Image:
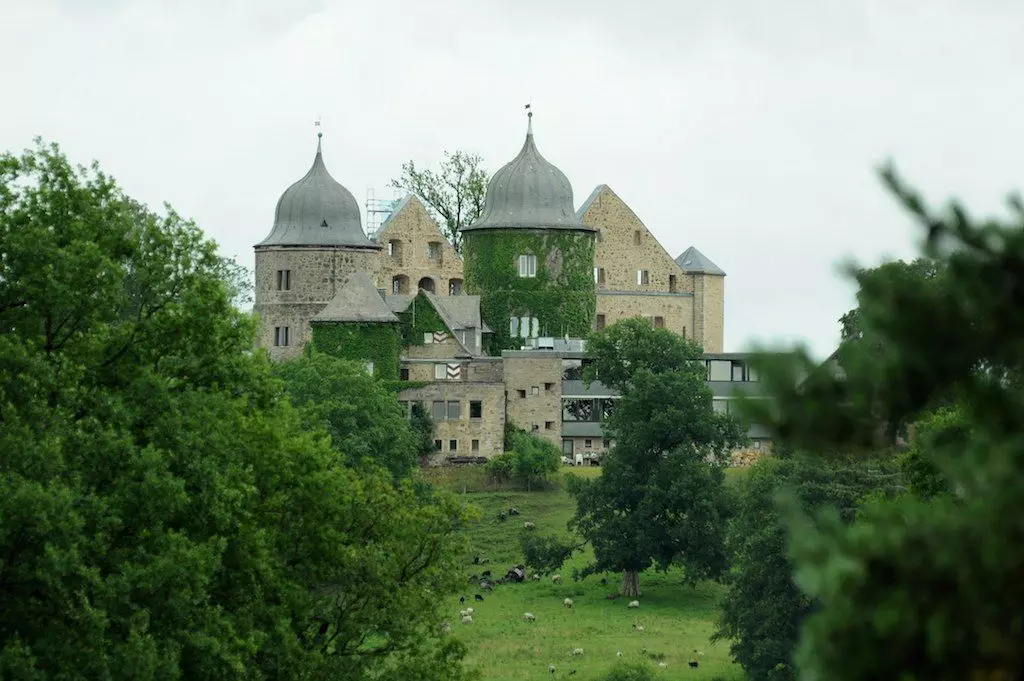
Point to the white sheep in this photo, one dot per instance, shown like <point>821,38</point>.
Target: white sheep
<point>469,611</point>
<point>468,619</point>
<point>633,604</point>
<point>618,654</point>
<point>528,525</point>
<point>551,668</point>
<point>567,602</point>
<point>464,613</point>
<point>556,578</point>
<point>640,627</point>
<point>536,576</point>
<point>446,627</point>
<point>662,665</point>
<point>529,617</point>
<point>577,651</point>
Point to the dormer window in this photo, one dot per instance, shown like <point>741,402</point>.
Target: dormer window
<point>527,266</point>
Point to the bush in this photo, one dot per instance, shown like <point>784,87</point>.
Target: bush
<point>527,461</point>
<point>630,672</point>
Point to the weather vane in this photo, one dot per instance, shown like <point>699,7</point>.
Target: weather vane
<point>316,124</point>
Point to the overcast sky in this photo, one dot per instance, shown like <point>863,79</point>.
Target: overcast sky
<point>749,129</point>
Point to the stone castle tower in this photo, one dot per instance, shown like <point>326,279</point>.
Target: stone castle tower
<point>317,241</point>
<point>529,256</point>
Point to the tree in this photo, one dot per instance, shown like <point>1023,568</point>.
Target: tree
<point>362,416</point>
<point>924,588</point>
<point>164,511</point>
<point>661,498</point>
<point>763,609</point>
<point>455,193</point>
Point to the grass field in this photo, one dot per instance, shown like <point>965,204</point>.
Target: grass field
<point>676,619</point>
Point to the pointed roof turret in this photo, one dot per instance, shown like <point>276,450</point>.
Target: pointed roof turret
<point>693,261</point>
<point>317,211</point>
<point>356,301</point>
<point>529,192</point>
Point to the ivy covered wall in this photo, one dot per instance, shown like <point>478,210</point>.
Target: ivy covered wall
<point>418,319</point>
<point>562,295</point>
<point>380,343</point>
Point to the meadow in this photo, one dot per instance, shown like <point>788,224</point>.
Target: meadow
<point>676,619</point>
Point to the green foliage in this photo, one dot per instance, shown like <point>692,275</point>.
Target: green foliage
<point>363,417</point>
<point>422,427</point>
<point>164,512</point>
<point>365,342</point>
<point>926,588</point>
<point>420,318</point>
<point>529,460</point>
<point>455,193</point>
<point>660,500</point>
<point>630,671</point>
<point>763,609</point>
<point>561,296</point>
<point>546,552</point>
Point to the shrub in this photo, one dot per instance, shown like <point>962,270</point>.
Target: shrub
<point>527,461</point>
<point>630,672</point>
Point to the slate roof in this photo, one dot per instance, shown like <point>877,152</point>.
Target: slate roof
<point>317,211</point>
<point>692,260</point>
<point>529,192</point>
<point>590,199</point>
<point>356,301</point>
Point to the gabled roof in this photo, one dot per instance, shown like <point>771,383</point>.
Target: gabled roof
<point>397,209</point>
<point>590,199</point>
<point>356,301</point>
<point>692,260</point>
<point>457,312</point>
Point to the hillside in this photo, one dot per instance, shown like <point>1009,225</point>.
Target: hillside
<point>676,619</point>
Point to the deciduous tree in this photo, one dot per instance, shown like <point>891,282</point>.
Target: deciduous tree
<point>661,498</point>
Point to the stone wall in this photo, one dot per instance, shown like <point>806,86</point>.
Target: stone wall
<point>533,383</point>
<point>625,245</point>
<point>488,431</point>
<point>410,229</point>
<point>709,308</point>
<point>316,275</point>
<point>675,309</point>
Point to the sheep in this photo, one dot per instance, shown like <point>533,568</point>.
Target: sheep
<point>513,511</point>
<point>536,576</point>
<point>529,617</point>
<point>638,627</point>
<point>477,597</point>
<point>462,599</point>
<point>501,517</point>
<point>446,627</point>
<point>528,525</point>
<point>618,654</point>
<point>467,619</point>
<point>567,602</point>
<point>662,665</point>
<point>485,573</point>
<point>693,664</point>
<point>470,611</point>
<point>551,668</point>
<point>577,651</point>
<point>556,578</point>
<point>633,604</point>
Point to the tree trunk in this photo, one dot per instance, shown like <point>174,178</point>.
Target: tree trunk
<point>630,584</point>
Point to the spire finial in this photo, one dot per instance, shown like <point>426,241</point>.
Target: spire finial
<point>319,133</point>
<point>529,120</point>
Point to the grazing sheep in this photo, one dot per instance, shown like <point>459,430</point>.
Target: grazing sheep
<point>633,604</point>
<point>567,602</point>
<point>638,627</point>
<point>468,619</point>
<point>528,525</point>
<point>556,578</point>
<point>501,517</point>
<point>529,617</point>
<point>618,654</point>
<point>577,651</point>
<point>513,511</point>
<point>551,668</point>
<point>697,652</point>
<point>477,597</point>
<point>469,611</point>
<point>462,599</point>
<point>463,613</point>
<point>662,665</point>
<point>536,576</point>
<point>693,664</point>
<point>446,627</point>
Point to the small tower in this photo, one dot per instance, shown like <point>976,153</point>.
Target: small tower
<point>317,241</point>
<point>708,286</point>
<point>529,256</point>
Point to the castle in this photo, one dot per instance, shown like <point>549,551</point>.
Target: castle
<point>493,336</point>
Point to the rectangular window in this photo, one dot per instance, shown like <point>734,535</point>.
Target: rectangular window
<point>535,390</point>
<point>454,410</point>
<point>752,375</point>
<point>284,280</point>
<point>599,275</point>
<point>513,327</point>
<point>671,283</point>
<point>438,411</point>
<point>588,443</point>
<point>659,322</point>
<point>391,248</point>
<point>549,425</point>
<point>636,237</point>
<point>757,444</point>
<point>737,371</point>
<point>643,277</point>
<point>475,445</point>
<point>453,445</point>
<point>282,337</point>
<point>433,250</point>
<point>522,393</point>
<point>404,373</point>
<point>720,406</point>
<point>719,370</point>
<point>548,387</point>
<point>527,266</point>
<point>440,372</point>
<point>567,447</point>
<point>437,445</point>
<point>600,322</point>
<point>476,409</point>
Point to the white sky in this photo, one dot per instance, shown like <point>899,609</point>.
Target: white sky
<point>748,129</point>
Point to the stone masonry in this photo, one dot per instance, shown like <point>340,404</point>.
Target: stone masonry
<point>533,385</point>
<point>415,252</point>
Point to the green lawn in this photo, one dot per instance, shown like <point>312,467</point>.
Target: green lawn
<point>676,619</point>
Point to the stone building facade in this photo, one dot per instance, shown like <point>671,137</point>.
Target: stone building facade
<point>472,361</point>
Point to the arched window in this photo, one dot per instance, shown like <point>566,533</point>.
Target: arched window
<point>427,284</point>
